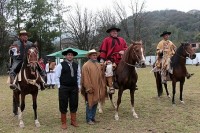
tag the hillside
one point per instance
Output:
(184, 26)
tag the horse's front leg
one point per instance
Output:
(132, 91)
(174, 91)
(181, 92)
(15, 102)
(120, 92)
(20, 110)
(34, 98)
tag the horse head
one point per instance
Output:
(188, 51)
(137, 50)
(32, 58)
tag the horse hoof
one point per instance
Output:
(116, 117)
(37, 123)
(21, 124)
(135, 116)
(100, 111)
(182, 102)
(169, 96)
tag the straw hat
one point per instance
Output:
(93, 51)
(23, 32)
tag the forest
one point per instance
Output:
(56, 26)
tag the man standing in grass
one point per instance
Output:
(68, 79)
(93, 85)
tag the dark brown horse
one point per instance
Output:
(126, 75)
(28, 83)
(178, 62)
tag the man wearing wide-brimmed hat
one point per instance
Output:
(165, 50)
(67, 76)
(93, 85)
(111, 50)
(21, 46)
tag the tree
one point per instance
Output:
(18, 11)
(41, 25)
(82, 28)
(132, 26)
(60, 23)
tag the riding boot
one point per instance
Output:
(12, 86)
(63, 121)
(73, 120)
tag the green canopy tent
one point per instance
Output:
(81, 53)
(58, 54)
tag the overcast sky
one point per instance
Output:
(150, 5)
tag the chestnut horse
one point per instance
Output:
(126, 76)
(178, 62)
(28, 83)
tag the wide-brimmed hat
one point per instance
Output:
(69, 51)
(165, 33)
(93, 51)
(23, 32)
(113, 28)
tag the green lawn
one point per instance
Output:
(155, 115)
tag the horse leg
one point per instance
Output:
(165, 85)
(132, 103)
(120, 92)
(111, 100)
(158, 84)
(173, 92)
(15, 102)
(34, 98)
(181, 92)
(100, 107)
(20, 109)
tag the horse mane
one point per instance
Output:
(175, 60)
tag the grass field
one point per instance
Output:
(155, 115)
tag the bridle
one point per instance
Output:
(189, 55)
(138, 60)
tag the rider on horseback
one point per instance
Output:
(17, 52)
(165, 50)
(111, 50)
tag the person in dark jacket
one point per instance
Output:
(67, 76)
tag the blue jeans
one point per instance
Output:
(90, 113)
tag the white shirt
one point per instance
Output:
(58, 74)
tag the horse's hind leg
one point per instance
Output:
(34, 97)
(165, 85)
(132, 103)
(111, 100)
(100, 107)
(120, 92)
(181, 92)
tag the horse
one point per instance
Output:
(178, 64)
(126, 76)
(28, 83)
